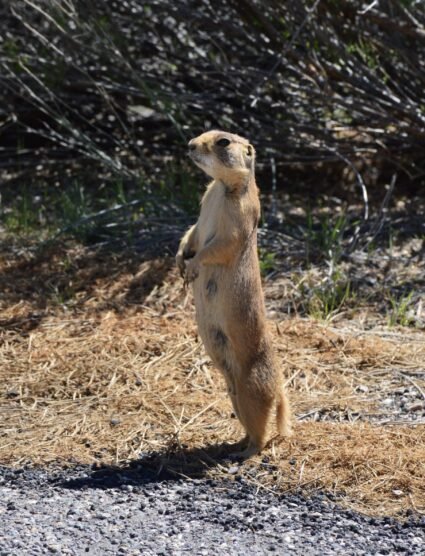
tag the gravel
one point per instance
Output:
(400, 404)
(133, 511)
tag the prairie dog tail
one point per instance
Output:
(283, 414)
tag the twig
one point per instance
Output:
(359, 180)
(273, 207)
(373, 4)
(383, 210)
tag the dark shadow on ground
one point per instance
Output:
(154, 467)
(59, 275)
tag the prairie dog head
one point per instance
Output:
(223, 156)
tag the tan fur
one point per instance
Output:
(219, 255)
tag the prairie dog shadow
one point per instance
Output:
(154, 467)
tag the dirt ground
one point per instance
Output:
(100, 363)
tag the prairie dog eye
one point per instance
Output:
(223, 142)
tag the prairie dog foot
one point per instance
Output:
(248, 452)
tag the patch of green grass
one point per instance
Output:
(267, 261)
(96, 211)
(329, 299)
(74, 204)
(401, 310)
(62, 295)
(366, 51)
(23, 215)
(325, 237)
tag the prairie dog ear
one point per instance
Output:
(250, 151)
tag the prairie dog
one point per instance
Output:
(219, 256)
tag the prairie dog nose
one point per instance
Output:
(192, 145)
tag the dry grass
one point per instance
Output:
(118, 370)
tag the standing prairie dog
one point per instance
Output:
(219, 255)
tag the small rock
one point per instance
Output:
(400, 391)
(417, 406)
(362, 388)
(233, 470)
(398, 492)
(12, 394)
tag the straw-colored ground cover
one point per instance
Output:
(112, 369)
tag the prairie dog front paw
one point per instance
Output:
(192, 270)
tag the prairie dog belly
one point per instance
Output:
(209, 294)
(229, 311)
